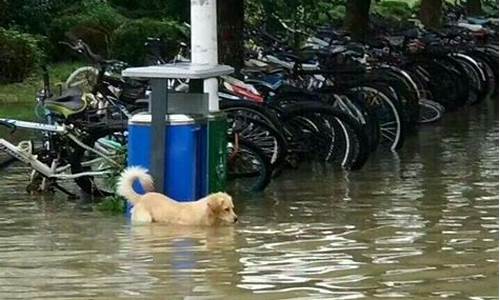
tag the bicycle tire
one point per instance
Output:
(389, 116)
(261, 117)
(263, 175)
(77, 153)
(85, 85)
(430, 112)
(325, 126)
(272, 142)
(254, 110)
(477, 78)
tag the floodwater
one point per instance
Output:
(421, 224)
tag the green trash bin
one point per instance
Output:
(217, 152)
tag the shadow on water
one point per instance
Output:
(422, 223)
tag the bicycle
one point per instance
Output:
(78, 141)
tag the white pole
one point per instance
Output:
(204, 43)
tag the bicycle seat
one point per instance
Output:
(69, 103)
(478, 21)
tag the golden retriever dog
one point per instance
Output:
(215, 209)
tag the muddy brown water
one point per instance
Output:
(420, 224)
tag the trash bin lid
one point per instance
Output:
(178, 70)
(175, 119)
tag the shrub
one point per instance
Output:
(94, 25)
(101, 13)
(19, 55)
(157, 9)
(397, 10)
(33, 16)
(29, 15)
(4, 19)
(78, 27)
(128, 40)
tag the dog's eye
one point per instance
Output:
(227, 209)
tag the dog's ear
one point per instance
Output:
(215, 203)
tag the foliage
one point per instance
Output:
(490, 8)
(3, 12)
(115, 204)
(305, 13)
(393, 9)
(128, 40)
(102, 13)
(112, 205)
(19, 55)
(118, 28)
(94, 24)
(158, 9)
(32, 16)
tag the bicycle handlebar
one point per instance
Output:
(82, 48)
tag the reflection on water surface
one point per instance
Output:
(420, 224)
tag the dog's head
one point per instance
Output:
(221, 208)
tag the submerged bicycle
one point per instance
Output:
(77, 141)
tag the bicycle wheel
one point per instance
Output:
(422, 79)
(475, 75)
(251, 110)
(354, 142)
(368, 121)
(389, 116)
(271, 141)
(405, 89)
(441, 84)
(345, 101)
(448, 84)
(85, 78)
(247, 166)
(430, 111)
(489, 69)
(324, 134)
(100, 182)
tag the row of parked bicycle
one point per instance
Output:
(337, 101)
(333, 101)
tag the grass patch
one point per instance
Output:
(18, 99)
(18, 110)
(25, 91)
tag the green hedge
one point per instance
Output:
(128, 40)
(94, 24)
(156, 9)
(19, 55)
(4, 16)
(393, 9)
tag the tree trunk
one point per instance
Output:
(431, 13)
(230, 18)
(357, 17)
(474, 7)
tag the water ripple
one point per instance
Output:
(419, 224)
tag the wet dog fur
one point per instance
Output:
(215, 209)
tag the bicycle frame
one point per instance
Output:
(24, 151)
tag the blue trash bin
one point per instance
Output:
(183, 156)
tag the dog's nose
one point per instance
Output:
(235, 219)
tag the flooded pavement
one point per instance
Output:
(421, 224)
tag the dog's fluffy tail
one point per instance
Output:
(126, 181)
